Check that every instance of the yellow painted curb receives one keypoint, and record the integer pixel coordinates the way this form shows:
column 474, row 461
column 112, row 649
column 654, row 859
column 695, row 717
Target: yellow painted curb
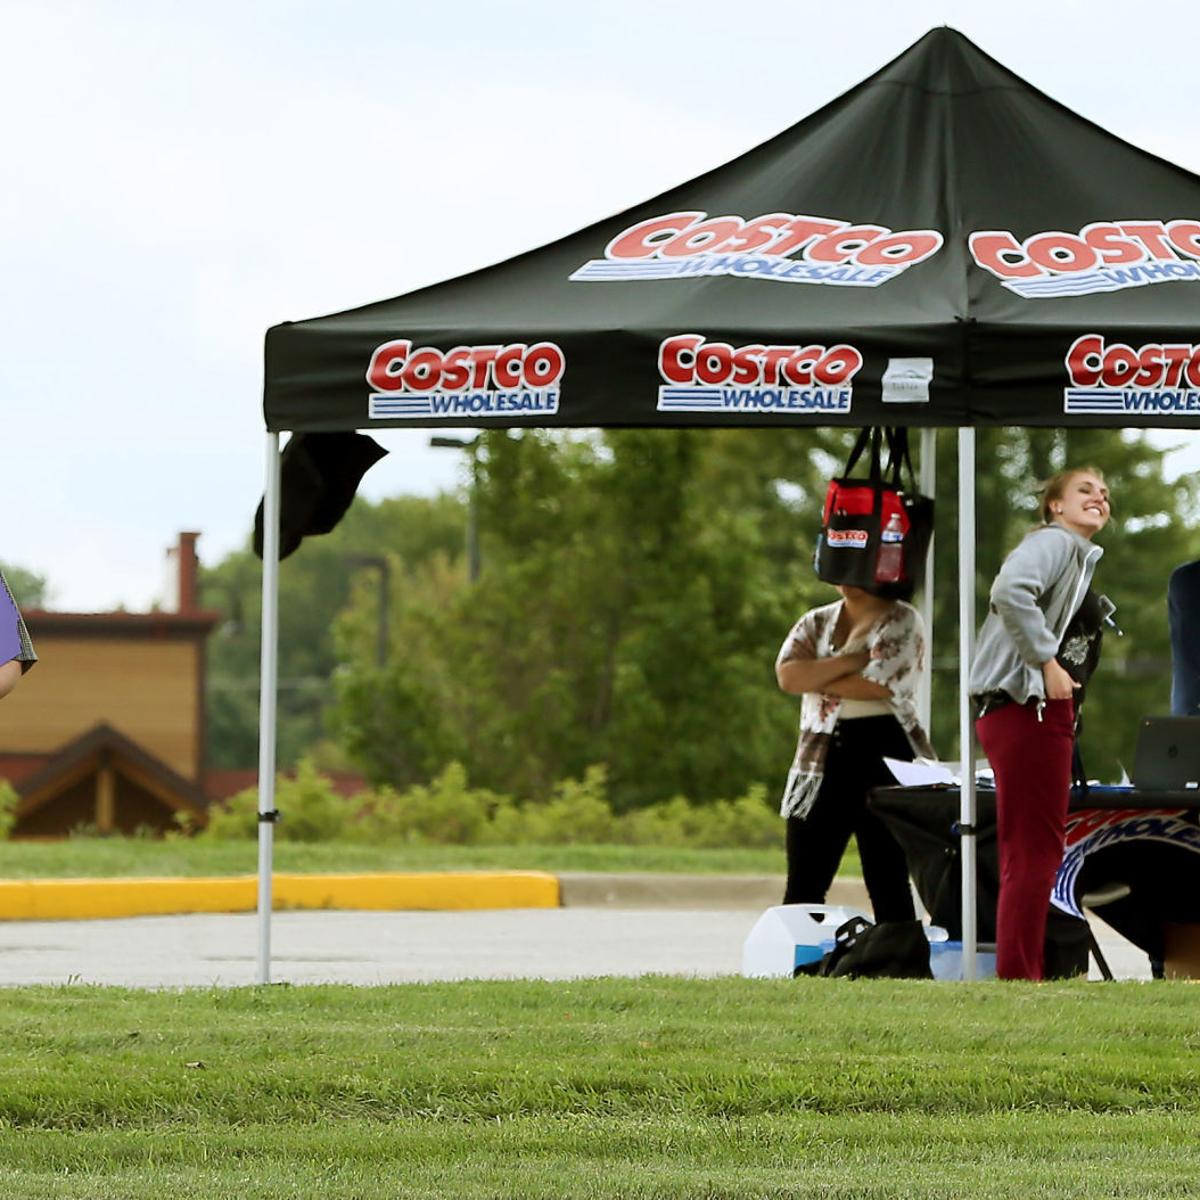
column 436, row 891
column 80, row 899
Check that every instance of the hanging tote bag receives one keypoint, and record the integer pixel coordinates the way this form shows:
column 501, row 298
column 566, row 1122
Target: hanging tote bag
column 914, row 548
column 875, row 533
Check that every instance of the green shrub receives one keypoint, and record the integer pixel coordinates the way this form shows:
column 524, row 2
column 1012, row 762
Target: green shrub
column 234, row 818
column 447, row 811
column 745, row 822
column 507, row 826
column 8, row 807
column 577, row 811
column 311, row 810
column 662, row 824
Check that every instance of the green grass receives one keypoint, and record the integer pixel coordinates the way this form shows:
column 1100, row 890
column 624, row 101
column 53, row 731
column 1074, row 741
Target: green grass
column 98, row 857
column 621, row 1088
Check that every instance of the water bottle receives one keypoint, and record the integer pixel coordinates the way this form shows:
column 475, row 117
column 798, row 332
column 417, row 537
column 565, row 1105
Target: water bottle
column 889, row 567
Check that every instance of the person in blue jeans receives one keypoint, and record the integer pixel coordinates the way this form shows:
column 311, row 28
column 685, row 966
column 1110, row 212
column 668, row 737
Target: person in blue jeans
column 1183, row 622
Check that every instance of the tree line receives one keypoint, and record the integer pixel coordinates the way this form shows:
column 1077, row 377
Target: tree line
column 634, row 588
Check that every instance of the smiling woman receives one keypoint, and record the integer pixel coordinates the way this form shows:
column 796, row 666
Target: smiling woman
column 1037, row 649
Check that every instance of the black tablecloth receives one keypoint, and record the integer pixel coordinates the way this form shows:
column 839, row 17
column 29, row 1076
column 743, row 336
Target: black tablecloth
column 1149, row 841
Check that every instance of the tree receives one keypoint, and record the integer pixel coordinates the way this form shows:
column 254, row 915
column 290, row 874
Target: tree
column 636, row 585
column 315, row 584
column 29, row 589
column 635, row 588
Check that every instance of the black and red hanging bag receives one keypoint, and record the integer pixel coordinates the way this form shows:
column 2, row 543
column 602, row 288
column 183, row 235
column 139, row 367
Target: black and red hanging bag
column 874, row 532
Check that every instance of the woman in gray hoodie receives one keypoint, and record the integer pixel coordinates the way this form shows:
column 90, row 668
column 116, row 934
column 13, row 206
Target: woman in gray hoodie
column 1036, row 648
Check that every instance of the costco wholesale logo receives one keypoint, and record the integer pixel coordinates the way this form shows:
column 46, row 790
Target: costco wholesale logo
column 1103, row 257
column 468, row 381
column 1097, row 830
column 1119, row 379
column 847, row 539
column 703, row 376
column 780, row 247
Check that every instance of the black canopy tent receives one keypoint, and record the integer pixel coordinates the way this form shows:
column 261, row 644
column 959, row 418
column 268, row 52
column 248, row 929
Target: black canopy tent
column 943, row 245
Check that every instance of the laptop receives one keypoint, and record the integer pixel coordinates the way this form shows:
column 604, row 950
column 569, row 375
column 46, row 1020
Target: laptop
column 1167, row 757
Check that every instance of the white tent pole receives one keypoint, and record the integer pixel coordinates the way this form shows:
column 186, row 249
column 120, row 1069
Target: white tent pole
column 966, row 653
column 267, row 707
column 927, row 482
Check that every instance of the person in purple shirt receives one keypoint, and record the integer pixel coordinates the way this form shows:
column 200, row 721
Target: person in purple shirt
column 16, row 650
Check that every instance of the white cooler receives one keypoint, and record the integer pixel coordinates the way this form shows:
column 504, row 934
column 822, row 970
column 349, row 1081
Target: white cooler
column 788, row 935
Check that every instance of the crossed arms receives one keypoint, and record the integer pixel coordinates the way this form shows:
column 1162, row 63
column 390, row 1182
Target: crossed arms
column 838, row 675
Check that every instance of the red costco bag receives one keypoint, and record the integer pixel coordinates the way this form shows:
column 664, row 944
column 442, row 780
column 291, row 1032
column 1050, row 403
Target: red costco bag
column 874, row 534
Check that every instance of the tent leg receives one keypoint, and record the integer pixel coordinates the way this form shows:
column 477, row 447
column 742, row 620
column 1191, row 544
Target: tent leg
column 966, row 653
column 927, row 482
column 268, row 680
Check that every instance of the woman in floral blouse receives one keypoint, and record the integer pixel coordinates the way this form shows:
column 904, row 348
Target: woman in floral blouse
column 857, row 663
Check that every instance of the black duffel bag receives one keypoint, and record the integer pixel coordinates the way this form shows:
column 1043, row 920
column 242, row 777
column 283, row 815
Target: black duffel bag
column 862, row 950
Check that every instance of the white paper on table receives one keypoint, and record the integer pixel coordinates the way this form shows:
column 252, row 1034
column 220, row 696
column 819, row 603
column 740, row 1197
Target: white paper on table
column 921, row 773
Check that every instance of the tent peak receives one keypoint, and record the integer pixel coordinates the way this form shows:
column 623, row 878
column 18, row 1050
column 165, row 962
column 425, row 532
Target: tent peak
column 946, row 61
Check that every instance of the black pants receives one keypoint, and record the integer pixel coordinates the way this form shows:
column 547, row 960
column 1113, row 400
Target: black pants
column 815, row 845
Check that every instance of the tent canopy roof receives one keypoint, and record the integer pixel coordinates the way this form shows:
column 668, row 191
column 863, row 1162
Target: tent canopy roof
column 942, row 245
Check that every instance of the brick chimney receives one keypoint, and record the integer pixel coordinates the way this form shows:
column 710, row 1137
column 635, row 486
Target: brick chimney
column 186, row 574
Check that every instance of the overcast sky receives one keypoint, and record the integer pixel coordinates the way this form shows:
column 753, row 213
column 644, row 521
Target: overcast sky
column 176, row 178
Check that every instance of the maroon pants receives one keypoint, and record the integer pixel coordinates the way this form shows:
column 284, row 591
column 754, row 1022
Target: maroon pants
column 1032, row 763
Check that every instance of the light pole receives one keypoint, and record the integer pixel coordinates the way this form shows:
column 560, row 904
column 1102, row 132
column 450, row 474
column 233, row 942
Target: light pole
column 471, row 444
column 380, row 564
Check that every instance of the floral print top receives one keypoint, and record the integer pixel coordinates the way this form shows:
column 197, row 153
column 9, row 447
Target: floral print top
column 896, row 644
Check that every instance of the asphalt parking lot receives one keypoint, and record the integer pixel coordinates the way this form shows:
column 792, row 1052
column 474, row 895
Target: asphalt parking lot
column 399, row 947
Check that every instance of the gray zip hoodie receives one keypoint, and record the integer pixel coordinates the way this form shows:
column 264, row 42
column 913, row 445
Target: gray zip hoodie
column 1033, row 599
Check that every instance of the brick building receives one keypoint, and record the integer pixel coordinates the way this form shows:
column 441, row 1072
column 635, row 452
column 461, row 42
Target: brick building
column 107, row 731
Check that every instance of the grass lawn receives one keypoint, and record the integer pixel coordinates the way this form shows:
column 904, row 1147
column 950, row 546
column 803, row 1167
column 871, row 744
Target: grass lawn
column 95, row 857
column 603, row 1088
